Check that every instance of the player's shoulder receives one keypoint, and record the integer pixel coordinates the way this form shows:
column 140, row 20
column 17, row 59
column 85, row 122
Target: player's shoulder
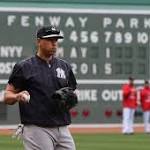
column 125, row 86
column 62, row 62
column 26, row 62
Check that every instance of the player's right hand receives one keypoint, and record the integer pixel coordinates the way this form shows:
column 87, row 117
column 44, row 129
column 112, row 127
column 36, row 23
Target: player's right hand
column 22, row 96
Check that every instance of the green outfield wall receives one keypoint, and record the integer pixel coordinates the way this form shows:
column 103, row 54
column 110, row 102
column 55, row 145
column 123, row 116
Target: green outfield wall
column 104, row 45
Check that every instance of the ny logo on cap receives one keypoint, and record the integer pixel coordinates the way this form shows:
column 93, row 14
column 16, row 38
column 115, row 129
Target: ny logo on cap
column 53, row 29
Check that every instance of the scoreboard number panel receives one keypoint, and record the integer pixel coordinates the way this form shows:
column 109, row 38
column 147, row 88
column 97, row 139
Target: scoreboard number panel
column 98, row 45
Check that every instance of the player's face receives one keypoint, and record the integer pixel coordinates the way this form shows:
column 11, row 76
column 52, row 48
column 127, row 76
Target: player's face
column 48, row 46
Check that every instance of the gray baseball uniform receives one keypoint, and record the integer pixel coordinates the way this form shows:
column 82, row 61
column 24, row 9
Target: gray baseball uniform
column 38, row 138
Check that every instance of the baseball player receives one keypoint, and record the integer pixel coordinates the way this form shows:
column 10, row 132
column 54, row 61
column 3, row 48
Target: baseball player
column 39, row 77
column 145, row 104
column 129, row 105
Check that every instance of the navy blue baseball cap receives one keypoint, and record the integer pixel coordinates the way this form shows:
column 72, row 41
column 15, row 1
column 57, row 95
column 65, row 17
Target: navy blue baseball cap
column 49, row 32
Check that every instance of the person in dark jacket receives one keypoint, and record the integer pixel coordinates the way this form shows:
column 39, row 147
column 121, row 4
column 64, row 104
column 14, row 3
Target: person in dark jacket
column 32, row 83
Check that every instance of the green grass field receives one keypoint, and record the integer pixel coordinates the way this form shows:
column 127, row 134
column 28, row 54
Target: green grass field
column 93, row 142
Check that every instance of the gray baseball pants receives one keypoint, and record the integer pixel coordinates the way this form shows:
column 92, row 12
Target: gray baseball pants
column 40, row 138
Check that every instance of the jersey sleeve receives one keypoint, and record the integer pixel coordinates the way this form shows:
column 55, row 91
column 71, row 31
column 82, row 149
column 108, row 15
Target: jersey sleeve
column 17, row 78
column 72, row 80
